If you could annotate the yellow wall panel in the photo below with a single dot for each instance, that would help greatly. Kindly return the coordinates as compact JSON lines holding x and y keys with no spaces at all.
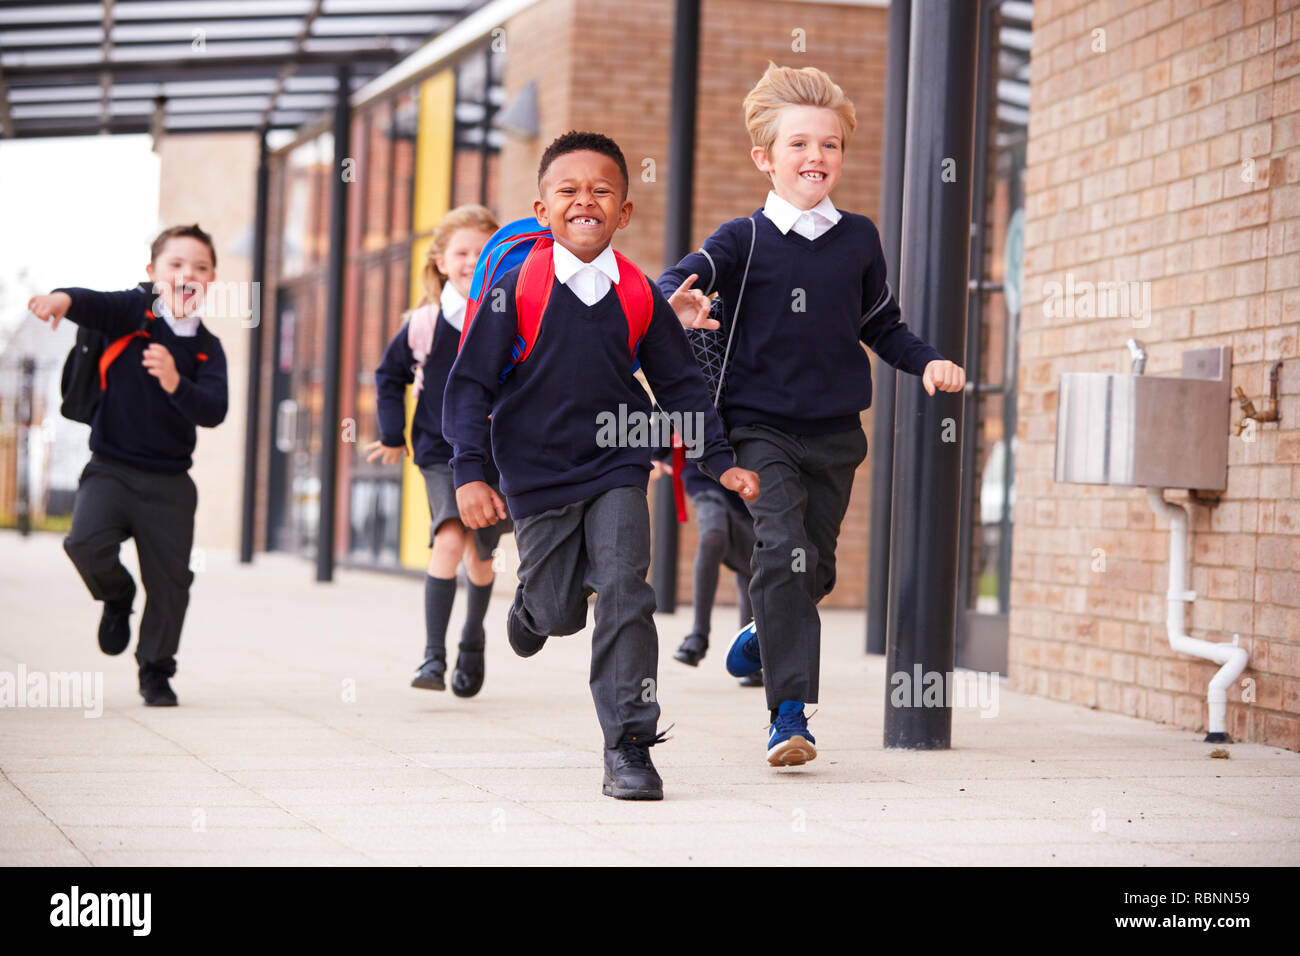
{"x":433,"y":155}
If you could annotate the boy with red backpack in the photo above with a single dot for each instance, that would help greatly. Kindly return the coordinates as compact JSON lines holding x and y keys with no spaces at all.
{"x":549,"y":354}
{"x":161,"y":374}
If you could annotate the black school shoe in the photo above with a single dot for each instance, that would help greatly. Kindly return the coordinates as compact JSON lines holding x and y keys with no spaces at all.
{"x":692,"y":650}
{"x":115,"y":625}
{"x":154,"y":688}
{"x":522,"y":641}
{"x":467,"y":678}
{"x":629,"y":772}
{"x":430,"y":676}
{"x":752,"y":680}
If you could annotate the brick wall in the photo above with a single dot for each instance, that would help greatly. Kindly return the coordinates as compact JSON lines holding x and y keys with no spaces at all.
{"x":618,"y":82}
{"x":1171,"y":158}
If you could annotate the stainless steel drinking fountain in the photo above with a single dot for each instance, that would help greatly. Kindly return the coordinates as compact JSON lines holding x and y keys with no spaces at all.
{"x":1147,"y":430}
{"x":1158,"y":432}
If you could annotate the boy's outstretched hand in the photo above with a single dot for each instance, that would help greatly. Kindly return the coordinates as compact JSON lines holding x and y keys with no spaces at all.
{"x":50,"y":308}
{"x":692,"y":306}
{"x":479,"y":505}
{"x":945,"y":376}
{"x":740,"y":480}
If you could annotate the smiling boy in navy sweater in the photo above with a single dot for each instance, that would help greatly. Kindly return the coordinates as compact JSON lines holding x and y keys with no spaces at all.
{"x":798,"y":376}
{"x":168,"y":377}
{"x":578,"y":501}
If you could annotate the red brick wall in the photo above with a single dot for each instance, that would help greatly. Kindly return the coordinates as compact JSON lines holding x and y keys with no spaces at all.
{"x":1135,"y":173}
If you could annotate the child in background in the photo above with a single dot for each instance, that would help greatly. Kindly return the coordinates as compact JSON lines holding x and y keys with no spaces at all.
{"x":798,"y":378}
{"x":422,"y":353}
{"x":725,"y":534}
{"x":168,"y":377}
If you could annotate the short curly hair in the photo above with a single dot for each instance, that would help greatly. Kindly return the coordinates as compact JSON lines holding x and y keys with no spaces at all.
{"x":576,"y":141}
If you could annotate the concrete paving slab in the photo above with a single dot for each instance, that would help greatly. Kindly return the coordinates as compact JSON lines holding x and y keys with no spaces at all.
{"x":299,"y":742}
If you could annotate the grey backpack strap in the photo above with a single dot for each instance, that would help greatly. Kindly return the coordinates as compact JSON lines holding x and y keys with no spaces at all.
{"x":735,"y":313}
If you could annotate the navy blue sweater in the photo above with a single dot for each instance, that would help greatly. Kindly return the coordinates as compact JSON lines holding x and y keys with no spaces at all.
{"x":137,"y":422}
{"x":796,"y":362}
{"x":545,"y":426}
{"x":395,"y":372}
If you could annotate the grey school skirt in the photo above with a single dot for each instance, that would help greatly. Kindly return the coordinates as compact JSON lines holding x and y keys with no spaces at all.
{"x":441,"y":490}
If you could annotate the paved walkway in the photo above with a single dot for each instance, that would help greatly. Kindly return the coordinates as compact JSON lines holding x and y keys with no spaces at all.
{"x":298,"y":741}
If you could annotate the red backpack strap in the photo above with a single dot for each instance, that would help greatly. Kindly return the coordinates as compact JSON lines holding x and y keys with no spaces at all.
{"x":532,"y":293}
{"x":498,"y":264}
{"x":117,"y":347}
{"x":634,"y":296}
{"x":679,"y":485}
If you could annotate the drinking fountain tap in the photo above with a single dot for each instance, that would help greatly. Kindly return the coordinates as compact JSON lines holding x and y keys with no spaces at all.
{"x":1139,"y":353}
{"x":1270,"y":412}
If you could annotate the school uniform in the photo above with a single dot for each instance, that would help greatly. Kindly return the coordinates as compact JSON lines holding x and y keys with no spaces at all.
{"x":137,"y":483}
{"x":579,"y":503}
{"x":422,"y":354}
{"x":400,"y":367}
{"x":797,"y":381}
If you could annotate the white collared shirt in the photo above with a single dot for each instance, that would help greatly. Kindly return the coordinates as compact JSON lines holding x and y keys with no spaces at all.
{"x":453,"y":306}
{"x":185,"y":328}
{"x":809,"y":223}
{"x":589,"y":281}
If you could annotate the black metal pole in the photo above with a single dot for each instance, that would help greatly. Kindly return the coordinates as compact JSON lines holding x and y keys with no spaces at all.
{"x":677,"y":239}
{"x":882,"y":395}
{"x":329,"y":444}
{"x":485,"y":127}
{"x":927,"y":447}
{"x":26,"y":401}
{"x":248,"y":516}
{"x":971,"y":531}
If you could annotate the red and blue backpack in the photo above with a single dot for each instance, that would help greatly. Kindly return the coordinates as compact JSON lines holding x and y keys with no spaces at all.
{"x":528,"y":242}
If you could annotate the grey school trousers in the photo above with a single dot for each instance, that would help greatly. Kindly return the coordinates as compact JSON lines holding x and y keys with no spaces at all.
{"x":599,"y":545}
{"x":114,"y":502}
{"x":804,"y":486}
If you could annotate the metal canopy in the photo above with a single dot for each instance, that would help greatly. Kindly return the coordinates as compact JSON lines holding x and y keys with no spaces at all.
{"x":177,"y":66}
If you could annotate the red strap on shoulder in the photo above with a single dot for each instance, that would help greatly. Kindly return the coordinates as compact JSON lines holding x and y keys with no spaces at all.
{"x":110,"y":354}
{"x":634,"y":296}
{"x":532,"y":293}
{"x":117,"y":347}
{"x":491,"y":276}
{"x":679,"y":485}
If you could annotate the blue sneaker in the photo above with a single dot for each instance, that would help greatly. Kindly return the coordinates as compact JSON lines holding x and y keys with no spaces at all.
{"x":743,"y":657}
{"x":789,"y":743}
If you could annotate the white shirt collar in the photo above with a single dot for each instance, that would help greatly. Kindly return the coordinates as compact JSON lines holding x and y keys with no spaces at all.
{"x":785,"y":214}
{"x":567,"y":265}
{"x":186,"y":327}
{"x":453,"y":306}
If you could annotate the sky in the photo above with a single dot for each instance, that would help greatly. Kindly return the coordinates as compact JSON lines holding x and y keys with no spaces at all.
{"x":73,"y":211}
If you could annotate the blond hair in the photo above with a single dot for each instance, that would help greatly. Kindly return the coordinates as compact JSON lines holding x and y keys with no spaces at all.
{"x":783,"y":86}
{"x":479,"y":218}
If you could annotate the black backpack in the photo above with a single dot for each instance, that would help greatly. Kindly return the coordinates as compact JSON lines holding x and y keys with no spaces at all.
{"x":81,"y":372}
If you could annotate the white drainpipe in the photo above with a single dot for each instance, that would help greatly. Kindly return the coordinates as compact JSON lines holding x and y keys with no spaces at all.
{"x":1232,"y":657}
